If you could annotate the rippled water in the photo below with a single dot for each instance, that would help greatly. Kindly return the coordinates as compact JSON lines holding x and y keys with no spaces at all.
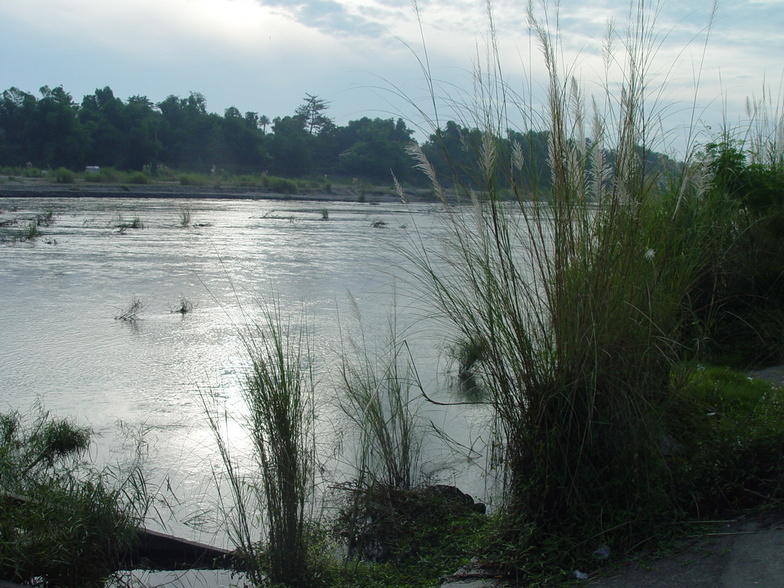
{"x":62,"y":346}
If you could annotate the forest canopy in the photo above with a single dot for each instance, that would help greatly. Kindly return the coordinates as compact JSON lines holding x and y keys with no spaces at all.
{"x":53,"y":130}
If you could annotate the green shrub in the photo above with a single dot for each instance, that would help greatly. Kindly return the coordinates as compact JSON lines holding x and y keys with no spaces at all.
{"x":742,"y":297}
{"x":281,"y":185}
{"x":728,"y":433}
{"x":109,"y":175}
{"x":64,"y":176}
{"x":193,"y":180}
{"x":75,"y":525}
{"x":139,"y":178}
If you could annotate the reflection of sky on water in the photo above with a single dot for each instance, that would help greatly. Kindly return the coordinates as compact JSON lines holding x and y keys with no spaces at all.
{"x":62,"y":345}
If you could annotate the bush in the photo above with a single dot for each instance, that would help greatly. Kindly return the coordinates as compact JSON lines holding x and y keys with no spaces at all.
{"x":728,"y":442}
{"x":742,"y":297}
{"x":193,"y":180}
{"x":73,"y":527}
{"x":64,"y":176}
{"x":281,"y":185}
{"x":139,"y":178}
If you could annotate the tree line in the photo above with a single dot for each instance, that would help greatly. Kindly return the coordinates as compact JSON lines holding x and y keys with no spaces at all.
{"x":53,"y":131}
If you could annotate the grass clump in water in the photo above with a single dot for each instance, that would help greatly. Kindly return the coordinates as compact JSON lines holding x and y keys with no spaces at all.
{"x":131,"y":313}
{"x":122,"y":225}
{"x":184,"y":307}
{"x":30,"y":232}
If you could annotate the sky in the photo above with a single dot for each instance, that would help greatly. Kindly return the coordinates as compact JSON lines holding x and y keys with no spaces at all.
{"x":369,"y":57}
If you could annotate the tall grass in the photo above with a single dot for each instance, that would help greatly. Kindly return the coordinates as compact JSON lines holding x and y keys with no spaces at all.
{"x":377,"y":392}
{"x":278,"y":391}
{"x":577,"y":296}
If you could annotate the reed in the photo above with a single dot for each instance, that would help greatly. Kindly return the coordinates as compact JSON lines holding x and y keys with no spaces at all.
{"x":278,"y":391}
{"x":576,"y":295}
{"x":185,"y":217}
{"x":377,"y":391}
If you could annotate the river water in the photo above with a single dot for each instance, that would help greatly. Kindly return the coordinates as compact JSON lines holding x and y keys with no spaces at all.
{"x":63,"y":347}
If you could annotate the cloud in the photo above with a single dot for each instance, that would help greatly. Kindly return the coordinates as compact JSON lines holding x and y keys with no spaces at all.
{"x":264,"y":55}
{"x":331,"y":17}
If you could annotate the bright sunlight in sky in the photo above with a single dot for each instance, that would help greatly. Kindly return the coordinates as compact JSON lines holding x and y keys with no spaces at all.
{"x":365,"y":56}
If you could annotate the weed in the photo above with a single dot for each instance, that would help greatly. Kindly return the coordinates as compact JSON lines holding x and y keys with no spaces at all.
{"x":185,"y":217}
{"x":62,"y":523}
{"x":130,"y":313}
{"x":184,"y":307}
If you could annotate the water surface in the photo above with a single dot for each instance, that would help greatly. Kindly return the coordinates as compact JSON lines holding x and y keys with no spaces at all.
{"x":63,"y":347}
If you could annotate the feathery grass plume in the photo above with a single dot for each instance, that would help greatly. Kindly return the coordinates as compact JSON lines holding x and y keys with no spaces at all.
{"x":579,"y":321}
{"x":766,"y":133}
{"x":421,"y":163}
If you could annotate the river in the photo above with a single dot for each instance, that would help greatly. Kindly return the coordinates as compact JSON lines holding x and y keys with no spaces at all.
{"x":63,"y":347}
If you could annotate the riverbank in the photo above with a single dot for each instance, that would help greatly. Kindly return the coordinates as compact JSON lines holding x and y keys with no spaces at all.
{"x":45,"y":188}
{"x":741,"y":552}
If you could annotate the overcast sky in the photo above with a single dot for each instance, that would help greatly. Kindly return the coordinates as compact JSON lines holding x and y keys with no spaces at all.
{"x":361,"y":55}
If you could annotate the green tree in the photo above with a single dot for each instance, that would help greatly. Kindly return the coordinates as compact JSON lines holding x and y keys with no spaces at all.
{"x":375,"y":148}
{"x":193,"y":138}
{"x":17,"y":111}
{"x":290,"y":146}
{"x":312,"y":112}
{"x":57,"y":136}
{"x":264,"y":122}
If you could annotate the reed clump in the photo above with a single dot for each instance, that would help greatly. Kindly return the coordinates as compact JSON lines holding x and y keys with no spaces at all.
{"x":278,"y":391}
{"x":378,"y":393}
{"x":577,"y":291}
